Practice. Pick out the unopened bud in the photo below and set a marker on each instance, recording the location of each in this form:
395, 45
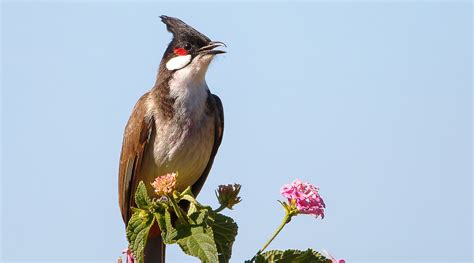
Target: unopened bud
228, 195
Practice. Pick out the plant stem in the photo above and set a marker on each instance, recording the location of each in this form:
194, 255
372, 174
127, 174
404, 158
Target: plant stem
177, 210
222, 207
285, 221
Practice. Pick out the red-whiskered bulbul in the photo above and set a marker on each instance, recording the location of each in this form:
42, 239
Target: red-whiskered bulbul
175, 127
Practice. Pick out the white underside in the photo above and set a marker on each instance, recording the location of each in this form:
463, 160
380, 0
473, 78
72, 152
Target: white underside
184, 144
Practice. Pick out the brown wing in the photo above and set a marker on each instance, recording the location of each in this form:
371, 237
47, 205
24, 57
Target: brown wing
135, 140
218, 111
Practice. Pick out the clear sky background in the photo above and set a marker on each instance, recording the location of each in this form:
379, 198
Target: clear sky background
369, 100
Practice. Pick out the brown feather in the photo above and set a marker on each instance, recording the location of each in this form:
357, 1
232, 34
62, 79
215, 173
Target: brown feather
135, 140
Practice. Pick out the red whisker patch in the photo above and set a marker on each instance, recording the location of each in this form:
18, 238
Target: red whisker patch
180, 51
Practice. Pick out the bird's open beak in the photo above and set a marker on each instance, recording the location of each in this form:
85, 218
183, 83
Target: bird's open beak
210, 48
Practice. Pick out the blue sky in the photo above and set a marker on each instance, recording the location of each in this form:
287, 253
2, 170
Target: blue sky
369, 100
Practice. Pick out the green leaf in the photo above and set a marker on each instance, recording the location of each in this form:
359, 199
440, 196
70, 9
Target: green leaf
206, 235
194, 205
225, 230
196, 237
199, 217
220, 228
200, 244
141, 196
137, 232
193, 208
291, 255
168, 232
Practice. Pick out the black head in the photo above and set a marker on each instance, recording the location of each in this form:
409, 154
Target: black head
187, 44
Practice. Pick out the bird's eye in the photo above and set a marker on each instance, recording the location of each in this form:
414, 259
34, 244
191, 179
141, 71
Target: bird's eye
187, 46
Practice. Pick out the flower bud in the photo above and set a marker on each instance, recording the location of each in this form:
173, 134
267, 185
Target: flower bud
228, 195
165, 184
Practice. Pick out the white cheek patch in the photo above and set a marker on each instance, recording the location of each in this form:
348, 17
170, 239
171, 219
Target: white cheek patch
178, 62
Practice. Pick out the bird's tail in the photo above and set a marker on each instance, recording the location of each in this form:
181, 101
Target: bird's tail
154, 248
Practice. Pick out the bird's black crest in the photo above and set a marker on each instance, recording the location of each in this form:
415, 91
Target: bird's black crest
183, 31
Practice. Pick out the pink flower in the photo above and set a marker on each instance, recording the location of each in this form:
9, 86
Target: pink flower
130, 257
165, 184
333, 260
305, 197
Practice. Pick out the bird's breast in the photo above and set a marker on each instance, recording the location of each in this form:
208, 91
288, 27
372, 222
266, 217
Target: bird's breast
183, 143
183, 148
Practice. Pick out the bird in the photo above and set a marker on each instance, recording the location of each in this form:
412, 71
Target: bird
177, 126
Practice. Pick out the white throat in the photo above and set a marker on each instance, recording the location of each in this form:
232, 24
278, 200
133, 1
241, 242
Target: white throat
189, 88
